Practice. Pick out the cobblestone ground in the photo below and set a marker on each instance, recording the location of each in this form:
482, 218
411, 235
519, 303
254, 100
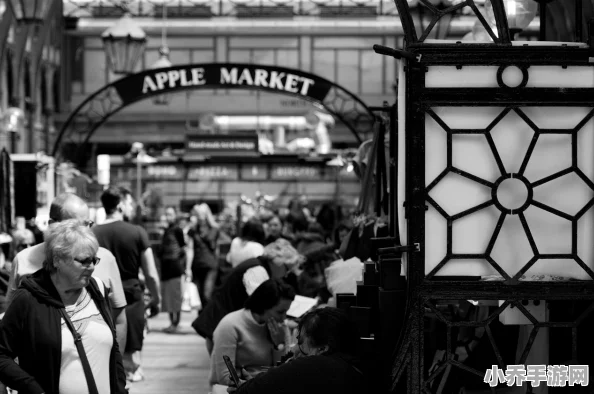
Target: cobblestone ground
173, 363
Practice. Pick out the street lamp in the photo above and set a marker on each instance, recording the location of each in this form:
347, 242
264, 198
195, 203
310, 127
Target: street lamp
163, 61
141, 157
30, 11
124, 45
13, 123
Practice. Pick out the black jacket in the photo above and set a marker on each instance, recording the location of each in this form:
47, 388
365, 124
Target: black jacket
31, 331
323, 374
227, 298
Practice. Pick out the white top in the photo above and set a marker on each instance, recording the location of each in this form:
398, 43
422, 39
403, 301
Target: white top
241, 251
97, 340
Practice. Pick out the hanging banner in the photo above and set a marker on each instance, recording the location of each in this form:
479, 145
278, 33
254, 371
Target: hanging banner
222, 75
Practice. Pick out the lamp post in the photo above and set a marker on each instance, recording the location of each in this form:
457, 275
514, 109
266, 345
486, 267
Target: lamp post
124, 45
30, 11
141, 157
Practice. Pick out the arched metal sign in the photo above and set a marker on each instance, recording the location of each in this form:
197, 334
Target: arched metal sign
96, 109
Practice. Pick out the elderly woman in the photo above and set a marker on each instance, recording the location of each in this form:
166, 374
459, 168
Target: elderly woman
278, 260
325, 360
254, 338
52, 307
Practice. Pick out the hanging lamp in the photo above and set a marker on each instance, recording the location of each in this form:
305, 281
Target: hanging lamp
163, 61
124, 45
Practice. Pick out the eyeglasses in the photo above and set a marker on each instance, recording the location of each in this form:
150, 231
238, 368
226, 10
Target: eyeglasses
88, 261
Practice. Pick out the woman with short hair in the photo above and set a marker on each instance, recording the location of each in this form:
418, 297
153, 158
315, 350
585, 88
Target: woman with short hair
254, 338
51, 308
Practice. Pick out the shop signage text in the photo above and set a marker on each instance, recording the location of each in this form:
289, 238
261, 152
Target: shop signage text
209, 143
287, 172
222, 75
213, 172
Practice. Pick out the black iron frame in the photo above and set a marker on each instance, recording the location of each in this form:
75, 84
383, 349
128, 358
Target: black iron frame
426, 290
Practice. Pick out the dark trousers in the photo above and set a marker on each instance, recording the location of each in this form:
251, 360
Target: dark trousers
205, 279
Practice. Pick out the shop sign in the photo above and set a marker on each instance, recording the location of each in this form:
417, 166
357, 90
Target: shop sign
296, 172
221, 172
209, 143
254, 172
164, 172
222, 75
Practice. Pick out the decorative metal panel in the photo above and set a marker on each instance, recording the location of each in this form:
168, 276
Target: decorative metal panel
496, 167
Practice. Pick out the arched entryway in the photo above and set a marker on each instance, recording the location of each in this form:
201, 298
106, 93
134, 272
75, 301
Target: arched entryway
107, 101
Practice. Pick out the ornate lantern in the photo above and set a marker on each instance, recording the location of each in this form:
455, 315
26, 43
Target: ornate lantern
30, 11
124, 44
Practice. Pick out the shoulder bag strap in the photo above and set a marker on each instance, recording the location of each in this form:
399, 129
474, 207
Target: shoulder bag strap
81, 353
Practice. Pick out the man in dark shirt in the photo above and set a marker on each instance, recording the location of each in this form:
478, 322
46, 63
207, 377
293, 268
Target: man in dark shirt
131, 248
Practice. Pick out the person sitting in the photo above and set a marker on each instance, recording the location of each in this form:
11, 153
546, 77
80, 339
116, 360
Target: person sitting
249, 244
51, 308
254, 337
325, 360
279, 259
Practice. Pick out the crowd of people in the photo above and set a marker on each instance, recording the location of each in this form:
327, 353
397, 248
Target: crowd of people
78, 299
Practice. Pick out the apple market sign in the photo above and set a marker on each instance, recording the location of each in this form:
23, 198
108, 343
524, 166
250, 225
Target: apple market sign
98, 107
227, 76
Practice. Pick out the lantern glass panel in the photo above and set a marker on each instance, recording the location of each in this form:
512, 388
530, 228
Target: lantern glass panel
30, 11
519, 13
123, 54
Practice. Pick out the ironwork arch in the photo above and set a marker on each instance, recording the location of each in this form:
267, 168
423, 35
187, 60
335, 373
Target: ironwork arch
110, 99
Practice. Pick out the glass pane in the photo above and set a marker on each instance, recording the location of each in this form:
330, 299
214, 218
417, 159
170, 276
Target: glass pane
324, 63
348, 72
94, 72
371, 73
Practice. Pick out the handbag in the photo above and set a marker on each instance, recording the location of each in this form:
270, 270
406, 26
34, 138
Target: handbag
191, 299
81, 353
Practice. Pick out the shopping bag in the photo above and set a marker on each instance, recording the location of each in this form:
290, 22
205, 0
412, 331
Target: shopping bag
191, 300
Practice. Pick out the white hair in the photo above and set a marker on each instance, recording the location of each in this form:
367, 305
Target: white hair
65, 238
